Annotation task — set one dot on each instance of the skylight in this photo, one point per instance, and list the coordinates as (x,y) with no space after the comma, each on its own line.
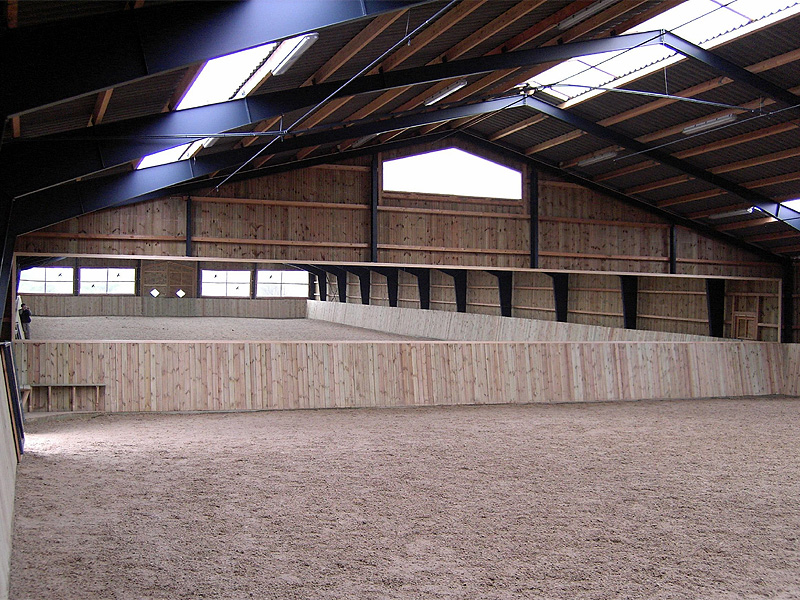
(792,204)
(231,77)
(454,172)
(707,23)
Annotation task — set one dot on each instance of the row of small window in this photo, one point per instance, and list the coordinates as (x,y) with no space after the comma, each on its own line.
(232,284)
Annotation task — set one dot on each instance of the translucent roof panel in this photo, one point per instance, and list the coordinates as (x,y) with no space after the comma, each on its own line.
(707,23)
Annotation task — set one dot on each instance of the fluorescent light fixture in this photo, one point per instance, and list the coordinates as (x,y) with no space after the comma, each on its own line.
(592,160)
(300,45)
(453,87)
(710,124)
(733,213)
(584,14)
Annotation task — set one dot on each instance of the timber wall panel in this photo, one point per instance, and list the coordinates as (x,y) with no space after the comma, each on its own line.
(791,357)
(455,326)
(483,296)
(8,475)
(246,376)
(595,300)
(408,291)
(533,296)
(157,227)
(581,229)
(139,306)
(673,304)
(699,255)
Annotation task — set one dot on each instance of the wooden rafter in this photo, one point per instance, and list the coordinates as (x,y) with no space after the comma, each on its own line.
(691,92)
(744,224)
(12,14)
(100,107)
(16,130)
(183,86)
(771,237)
(524,124)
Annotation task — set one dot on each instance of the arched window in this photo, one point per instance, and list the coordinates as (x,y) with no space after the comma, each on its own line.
(453,172)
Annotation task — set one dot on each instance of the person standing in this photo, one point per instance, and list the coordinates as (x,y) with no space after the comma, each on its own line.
(25,320)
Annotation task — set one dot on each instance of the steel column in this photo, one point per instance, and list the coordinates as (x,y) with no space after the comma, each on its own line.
(630,300)
(561,295)
(460,286)
(715,300)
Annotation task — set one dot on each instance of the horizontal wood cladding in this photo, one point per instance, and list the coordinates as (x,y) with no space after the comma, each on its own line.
(324,213)
(673,304)
(186,376)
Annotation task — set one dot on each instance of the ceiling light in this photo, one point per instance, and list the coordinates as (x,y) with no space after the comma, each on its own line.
(733,213)
(585,14)
(453,87)
(710,124)
(592,160)
(302,45)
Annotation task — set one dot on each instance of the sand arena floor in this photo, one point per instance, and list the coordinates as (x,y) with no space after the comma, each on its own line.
(680,499)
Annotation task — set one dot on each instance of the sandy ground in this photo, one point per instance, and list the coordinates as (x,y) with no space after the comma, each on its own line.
(200,328)
(681,499)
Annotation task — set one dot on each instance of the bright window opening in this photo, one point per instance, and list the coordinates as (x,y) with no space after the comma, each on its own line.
(225,284)
(292,284)
(46,280)
(792,204)
(452,172)
(231,77)
(706,23)
(107,281)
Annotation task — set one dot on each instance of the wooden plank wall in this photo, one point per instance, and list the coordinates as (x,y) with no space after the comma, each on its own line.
(674,304)
(190,376)
(791,357)
(8,474)
(455,326)
(146,306)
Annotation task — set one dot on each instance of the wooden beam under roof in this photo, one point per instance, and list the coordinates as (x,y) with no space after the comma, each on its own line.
(744,224)
(100,107)
(12,14)
(755,184)
(769,237)
(690,92)
(524,124)
(16,130)
(183,86)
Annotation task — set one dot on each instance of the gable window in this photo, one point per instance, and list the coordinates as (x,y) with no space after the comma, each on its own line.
(452,172)
(46,280)
(107,281)
(293,284)
(225,284)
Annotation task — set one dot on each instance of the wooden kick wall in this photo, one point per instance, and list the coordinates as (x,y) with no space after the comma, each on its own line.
(470,327)
(146,306)
(188,376)
(665,304)
(8,474)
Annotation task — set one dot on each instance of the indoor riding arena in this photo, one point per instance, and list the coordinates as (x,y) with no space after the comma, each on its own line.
(435,299)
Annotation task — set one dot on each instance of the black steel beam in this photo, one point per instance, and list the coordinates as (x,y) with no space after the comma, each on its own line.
(561,295)
(322,279)
(74,199)
(373,215)
(392,282)
(189,225)
(6,259)
(423,285)
(730,69)
(715,299)
(505,288)
(460,286)
(533,209)
(673,249)
(109,145)
(630,300)
(364,276)
(50,63)
(788,303)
